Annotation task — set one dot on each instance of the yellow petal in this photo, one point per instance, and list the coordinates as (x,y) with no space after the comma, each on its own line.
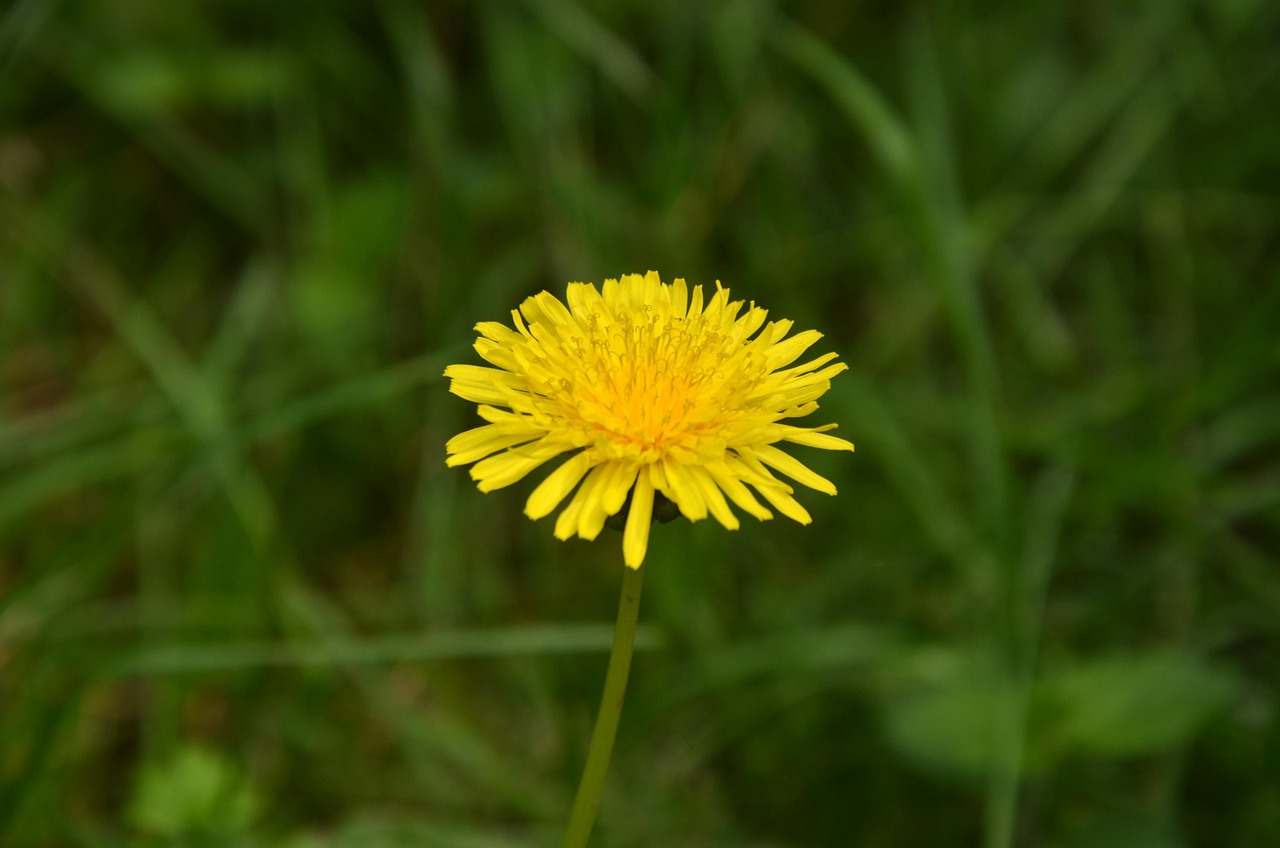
(679,297)
(503,469)
(610,292)
(477,443)
(682,489)
(546,309)
(784,353)
(500,355)
(559,483)
(695,305)
(805,368)
(648,292)
(714,309)
(737,492)
(614,490)
(567,520)
(498,332)
(478,384)
(793,468)
(750,470)
(606,499)
(585,301)
(635,539)
(814,439)
(749,323)
(494,415)
(784,503)
(713,497)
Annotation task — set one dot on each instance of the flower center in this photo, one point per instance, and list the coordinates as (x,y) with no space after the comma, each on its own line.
(645,385)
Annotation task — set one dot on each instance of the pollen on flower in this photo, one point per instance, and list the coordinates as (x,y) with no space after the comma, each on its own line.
(649,388)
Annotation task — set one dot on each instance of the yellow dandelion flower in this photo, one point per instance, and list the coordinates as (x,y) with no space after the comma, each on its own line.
(652,391)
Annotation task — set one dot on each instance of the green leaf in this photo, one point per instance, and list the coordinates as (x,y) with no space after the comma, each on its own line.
(196,791)
(1121,831)
(947,729)
(1127,705)
(1117,706)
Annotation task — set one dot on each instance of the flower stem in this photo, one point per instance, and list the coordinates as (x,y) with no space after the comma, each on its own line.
(587,802)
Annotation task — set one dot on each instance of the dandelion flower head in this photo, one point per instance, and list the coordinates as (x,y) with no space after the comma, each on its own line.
(649,388)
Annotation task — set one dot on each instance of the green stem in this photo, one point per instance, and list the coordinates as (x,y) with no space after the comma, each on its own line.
(587,802)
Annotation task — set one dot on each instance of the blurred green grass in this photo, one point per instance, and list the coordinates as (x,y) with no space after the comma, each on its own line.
(243,602)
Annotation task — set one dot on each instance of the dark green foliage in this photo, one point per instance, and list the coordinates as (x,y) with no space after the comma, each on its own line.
(243,602)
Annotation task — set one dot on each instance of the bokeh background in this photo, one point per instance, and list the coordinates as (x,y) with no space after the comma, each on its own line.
(244,603)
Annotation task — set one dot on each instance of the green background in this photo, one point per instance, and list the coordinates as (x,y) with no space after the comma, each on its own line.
(244,603)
